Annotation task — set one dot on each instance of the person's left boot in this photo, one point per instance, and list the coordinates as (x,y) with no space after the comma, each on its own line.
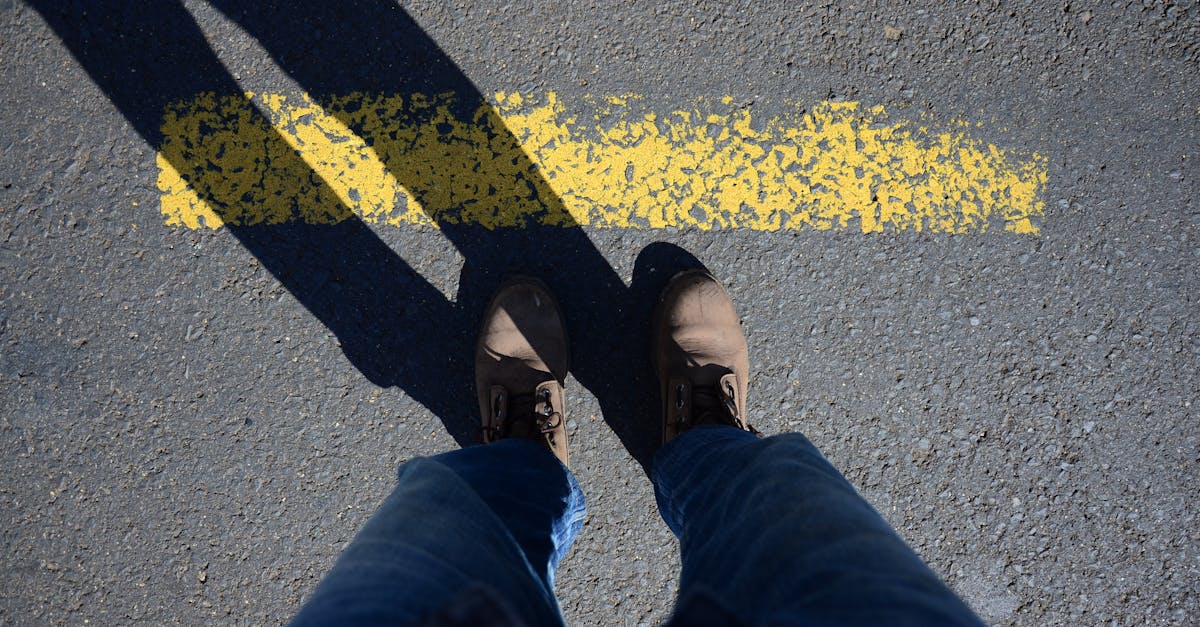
(521,366)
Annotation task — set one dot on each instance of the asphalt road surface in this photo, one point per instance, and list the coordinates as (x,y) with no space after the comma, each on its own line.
(196,420)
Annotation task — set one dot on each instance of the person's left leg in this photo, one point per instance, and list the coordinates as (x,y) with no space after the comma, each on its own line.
(474,536)
(467,535)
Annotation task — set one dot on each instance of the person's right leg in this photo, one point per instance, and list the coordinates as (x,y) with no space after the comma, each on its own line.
(770,532)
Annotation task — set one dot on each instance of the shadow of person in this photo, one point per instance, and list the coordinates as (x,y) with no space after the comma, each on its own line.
(393,325)
(148,55)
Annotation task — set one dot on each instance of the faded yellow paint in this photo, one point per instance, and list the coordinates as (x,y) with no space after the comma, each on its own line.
(612,162)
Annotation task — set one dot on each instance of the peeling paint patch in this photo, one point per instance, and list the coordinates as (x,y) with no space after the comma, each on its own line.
(606,162)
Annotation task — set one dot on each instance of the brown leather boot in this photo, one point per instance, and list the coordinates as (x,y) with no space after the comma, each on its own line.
(521,366)
(700,354)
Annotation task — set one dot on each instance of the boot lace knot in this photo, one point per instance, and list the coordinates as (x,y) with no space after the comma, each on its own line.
(523,415)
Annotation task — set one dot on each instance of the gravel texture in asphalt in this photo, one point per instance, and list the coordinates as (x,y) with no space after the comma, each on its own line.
(196,422)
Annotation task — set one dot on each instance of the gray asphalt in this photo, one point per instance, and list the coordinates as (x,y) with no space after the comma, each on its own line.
(187,441)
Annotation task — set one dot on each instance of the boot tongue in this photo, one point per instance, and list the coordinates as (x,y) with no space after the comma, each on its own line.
(524,419)
(710,407)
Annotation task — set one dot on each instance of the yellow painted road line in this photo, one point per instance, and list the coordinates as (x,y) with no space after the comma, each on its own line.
(613,162)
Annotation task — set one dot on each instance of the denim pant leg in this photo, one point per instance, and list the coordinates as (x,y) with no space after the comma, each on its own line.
(494,519)
(771,533)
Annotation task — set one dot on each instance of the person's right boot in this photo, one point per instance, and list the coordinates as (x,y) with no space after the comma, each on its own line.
(700,355)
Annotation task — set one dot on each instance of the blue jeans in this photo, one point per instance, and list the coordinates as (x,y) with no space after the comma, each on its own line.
(770,533)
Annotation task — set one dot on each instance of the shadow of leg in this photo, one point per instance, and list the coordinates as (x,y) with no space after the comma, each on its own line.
(390,54)
(148,55)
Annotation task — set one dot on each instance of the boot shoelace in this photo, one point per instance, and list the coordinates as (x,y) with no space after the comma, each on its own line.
(523,419)
(710,406)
